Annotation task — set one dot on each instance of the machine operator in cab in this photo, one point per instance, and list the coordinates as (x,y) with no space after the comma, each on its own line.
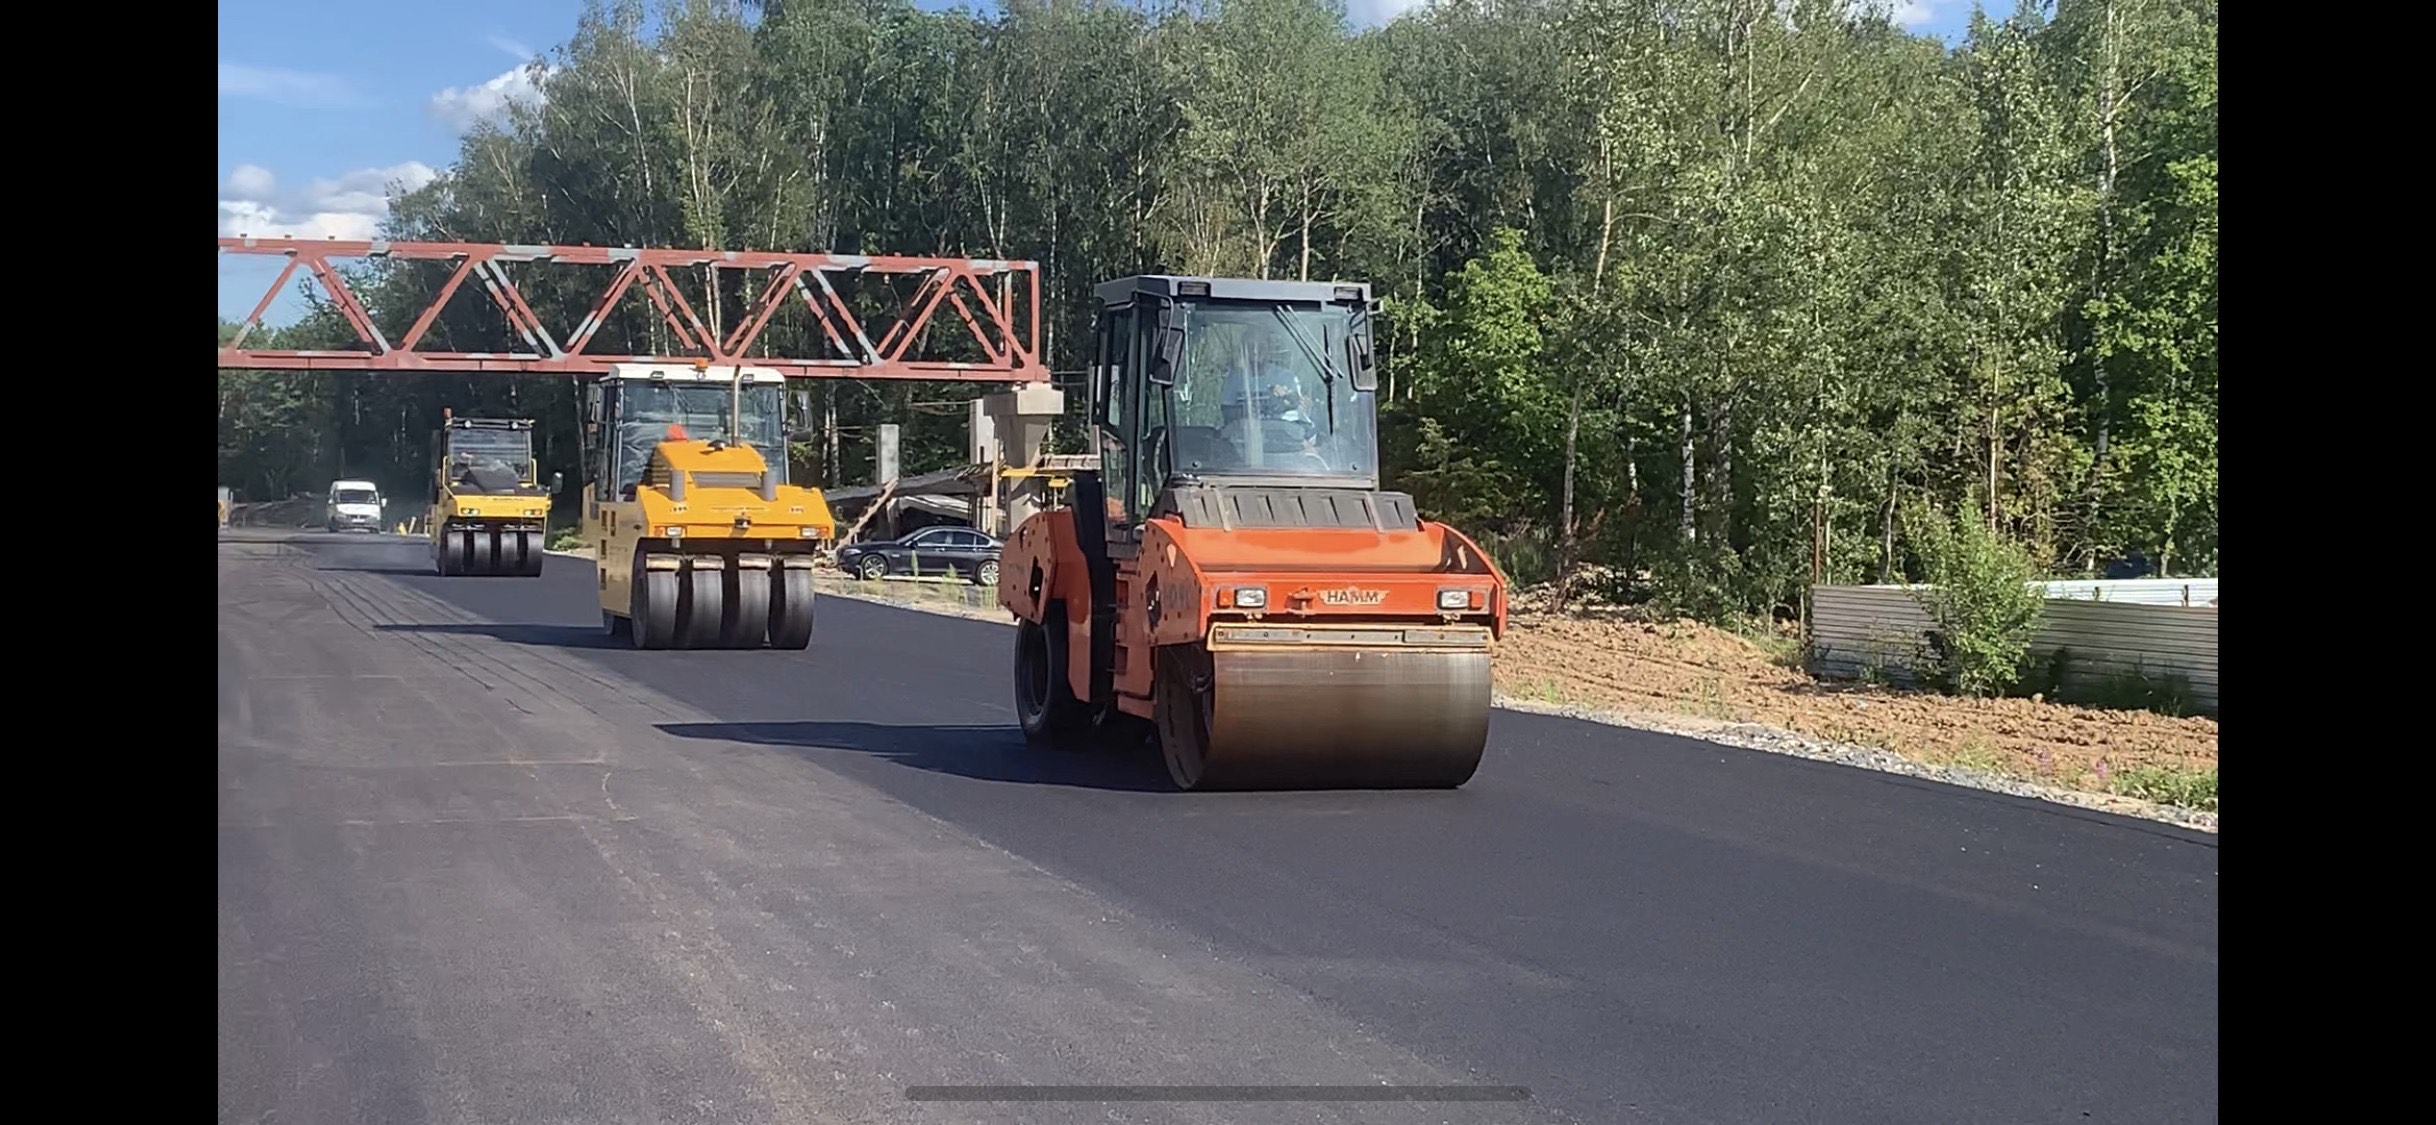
(1268,390)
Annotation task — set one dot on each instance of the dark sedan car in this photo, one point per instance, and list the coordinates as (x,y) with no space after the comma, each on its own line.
(960,551)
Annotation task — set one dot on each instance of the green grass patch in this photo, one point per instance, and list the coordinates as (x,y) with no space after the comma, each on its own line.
(1783,649)
(2163,693)
(1976,753)
(1711,703)
(2166,785)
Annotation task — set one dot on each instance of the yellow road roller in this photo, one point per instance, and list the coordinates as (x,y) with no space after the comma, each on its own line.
(489,509)
(701,540)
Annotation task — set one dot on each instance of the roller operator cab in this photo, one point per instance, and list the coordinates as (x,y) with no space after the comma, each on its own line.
(1232,576)
(701,540)
(489,509)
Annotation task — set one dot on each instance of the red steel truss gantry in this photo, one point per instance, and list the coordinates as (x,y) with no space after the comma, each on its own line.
(997,301)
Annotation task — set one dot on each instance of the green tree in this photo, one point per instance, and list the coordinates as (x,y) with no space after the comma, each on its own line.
(1980,597)
(1701,293)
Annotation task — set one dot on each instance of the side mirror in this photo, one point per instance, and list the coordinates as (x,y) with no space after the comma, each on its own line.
(1167,347)
(558,481)
(1365,360)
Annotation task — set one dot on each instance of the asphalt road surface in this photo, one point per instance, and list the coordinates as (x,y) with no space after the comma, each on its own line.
(478,864)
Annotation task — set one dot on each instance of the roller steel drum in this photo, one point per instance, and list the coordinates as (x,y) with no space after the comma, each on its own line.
(1322,718)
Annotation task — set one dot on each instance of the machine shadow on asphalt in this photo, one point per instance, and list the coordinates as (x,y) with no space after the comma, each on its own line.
(555,636)
(982,753)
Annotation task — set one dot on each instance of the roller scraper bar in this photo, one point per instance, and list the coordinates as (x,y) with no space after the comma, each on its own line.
(862,317)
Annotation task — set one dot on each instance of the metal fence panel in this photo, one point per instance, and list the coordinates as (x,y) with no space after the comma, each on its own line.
(1853,628)
(2137,591)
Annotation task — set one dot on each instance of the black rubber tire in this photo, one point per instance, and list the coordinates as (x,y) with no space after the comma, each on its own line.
(1045,705)
(700,606)
(529,554)
(791,608)
(1183,717)
(872,568)
(744,620)
(654,603)
(986,574)
(456,550)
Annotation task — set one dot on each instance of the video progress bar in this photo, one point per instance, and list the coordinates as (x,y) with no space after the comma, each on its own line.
(1217,1094)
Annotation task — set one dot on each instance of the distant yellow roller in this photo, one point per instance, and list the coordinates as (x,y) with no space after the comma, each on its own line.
(489,509)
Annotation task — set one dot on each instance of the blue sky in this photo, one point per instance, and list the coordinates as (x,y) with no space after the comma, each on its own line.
(325,103)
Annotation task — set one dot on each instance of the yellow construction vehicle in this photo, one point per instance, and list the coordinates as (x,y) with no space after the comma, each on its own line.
(701,541)
(488,506)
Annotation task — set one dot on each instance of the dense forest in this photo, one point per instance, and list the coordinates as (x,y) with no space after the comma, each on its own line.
(1710,298)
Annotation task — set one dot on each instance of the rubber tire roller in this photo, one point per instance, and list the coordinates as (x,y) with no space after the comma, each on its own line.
(488,552)
(707,604)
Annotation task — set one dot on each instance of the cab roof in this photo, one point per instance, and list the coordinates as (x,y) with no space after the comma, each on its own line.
(1170,286)
(688,373)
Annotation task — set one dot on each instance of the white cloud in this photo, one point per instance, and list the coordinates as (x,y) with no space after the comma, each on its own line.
(463,106)
(510,47)
(1914,14)
(285,87)
(348,207)
(252,181)
(1377,13)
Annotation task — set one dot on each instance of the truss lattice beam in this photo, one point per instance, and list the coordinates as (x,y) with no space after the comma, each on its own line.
(996,306)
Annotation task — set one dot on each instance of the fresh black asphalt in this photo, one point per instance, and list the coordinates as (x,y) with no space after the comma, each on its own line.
(480,863)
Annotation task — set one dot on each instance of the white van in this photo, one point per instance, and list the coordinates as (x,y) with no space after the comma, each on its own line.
(355,505)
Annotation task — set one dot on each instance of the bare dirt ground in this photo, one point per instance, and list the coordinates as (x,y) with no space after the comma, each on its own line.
(1615,659)
(1617,665)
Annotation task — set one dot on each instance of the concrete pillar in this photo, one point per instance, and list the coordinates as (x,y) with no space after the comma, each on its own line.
(981,434)
(1018,420)
(1020,417)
